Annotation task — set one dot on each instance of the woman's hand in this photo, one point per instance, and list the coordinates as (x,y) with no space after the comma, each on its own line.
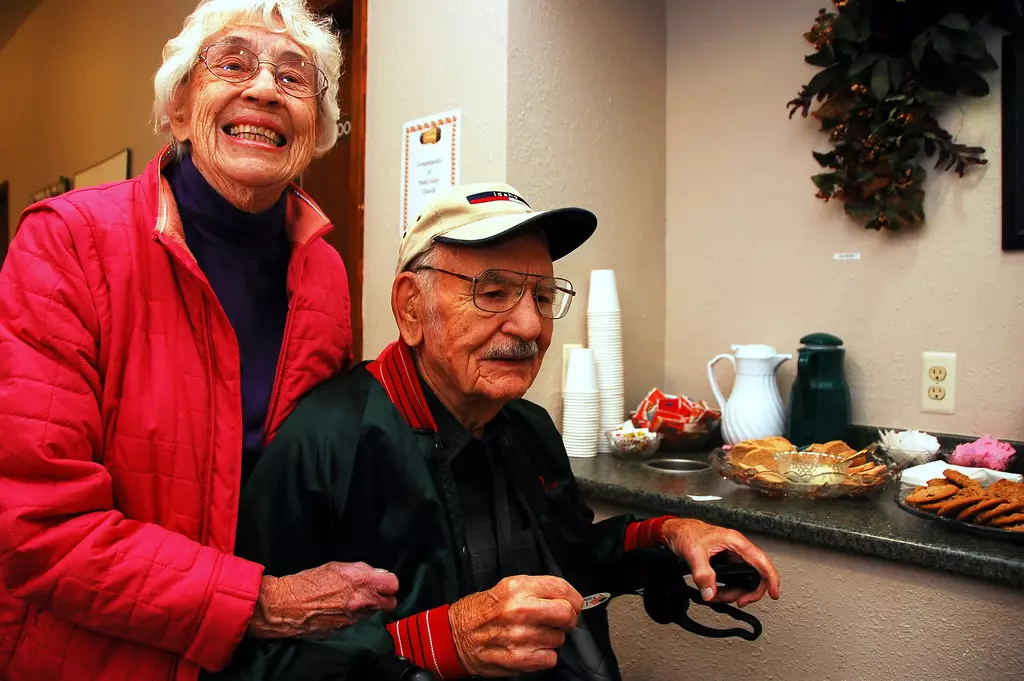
(320,600)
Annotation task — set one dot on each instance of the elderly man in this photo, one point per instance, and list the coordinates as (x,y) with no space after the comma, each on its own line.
(428,463)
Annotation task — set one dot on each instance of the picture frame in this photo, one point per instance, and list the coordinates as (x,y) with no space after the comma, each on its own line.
(111,169)
(1013,141)
(57,188)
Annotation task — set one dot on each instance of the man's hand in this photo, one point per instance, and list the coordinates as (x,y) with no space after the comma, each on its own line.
(320,600)
(514,627)
(695,542)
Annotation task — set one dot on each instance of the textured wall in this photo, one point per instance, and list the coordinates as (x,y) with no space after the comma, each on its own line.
(750,249)
(840,618)
(586,126)
(423,59)
(78,80)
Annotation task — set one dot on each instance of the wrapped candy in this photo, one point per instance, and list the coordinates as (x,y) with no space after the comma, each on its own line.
(661,412)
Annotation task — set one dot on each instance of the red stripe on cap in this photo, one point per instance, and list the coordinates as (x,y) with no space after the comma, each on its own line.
(488,199)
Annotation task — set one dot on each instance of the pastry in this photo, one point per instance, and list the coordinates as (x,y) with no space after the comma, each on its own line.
(923,495)
(1005,508)
(960,502)
(974,509)
(959,479)
(1012,519)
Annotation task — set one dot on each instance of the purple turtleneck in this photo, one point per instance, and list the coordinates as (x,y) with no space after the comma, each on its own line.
(245,258)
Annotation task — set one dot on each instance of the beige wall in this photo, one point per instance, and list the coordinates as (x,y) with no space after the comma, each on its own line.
(78,77)
(749,249)
(841,618)
(444,55)
(586,118)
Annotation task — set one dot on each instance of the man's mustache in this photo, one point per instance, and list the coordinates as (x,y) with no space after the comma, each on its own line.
(513,348)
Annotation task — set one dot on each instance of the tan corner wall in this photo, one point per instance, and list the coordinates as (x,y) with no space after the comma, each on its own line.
(586,122)
(78,80)
(424,58)
(841,617)
(749,248)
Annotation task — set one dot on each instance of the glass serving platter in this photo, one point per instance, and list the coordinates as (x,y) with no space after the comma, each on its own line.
(811,475)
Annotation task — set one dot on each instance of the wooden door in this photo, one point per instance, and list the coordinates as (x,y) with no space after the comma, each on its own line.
(5,233)
(336,180)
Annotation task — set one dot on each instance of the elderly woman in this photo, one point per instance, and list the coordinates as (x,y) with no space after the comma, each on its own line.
(155,334)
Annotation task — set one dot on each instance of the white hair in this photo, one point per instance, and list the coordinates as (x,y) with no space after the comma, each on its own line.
(292,17)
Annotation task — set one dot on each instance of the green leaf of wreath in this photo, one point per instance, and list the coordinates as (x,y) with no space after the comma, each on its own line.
(880,79)
(957,22)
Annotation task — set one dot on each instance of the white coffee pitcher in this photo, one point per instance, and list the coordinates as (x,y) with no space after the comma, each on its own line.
(754,409)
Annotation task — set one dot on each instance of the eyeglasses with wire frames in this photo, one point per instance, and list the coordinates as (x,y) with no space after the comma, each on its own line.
(497,290)
(235,64)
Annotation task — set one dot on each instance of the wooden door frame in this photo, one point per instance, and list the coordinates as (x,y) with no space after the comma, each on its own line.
(355,61)
(5,209)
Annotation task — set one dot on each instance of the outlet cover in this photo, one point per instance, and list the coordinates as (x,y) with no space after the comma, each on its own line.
(938,382)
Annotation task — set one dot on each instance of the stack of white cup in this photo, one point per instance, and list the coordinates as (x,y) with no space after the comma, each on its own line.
(604,337)
(580,413)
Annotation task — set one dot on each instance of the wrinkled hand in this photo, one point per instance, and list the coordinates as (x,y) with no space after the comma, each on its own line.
(695,542)
(320,600)
(514,627)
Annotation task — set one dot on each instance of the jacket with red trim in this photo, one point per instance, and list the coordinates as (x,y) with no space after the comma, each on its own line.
(121,434)
(353,476)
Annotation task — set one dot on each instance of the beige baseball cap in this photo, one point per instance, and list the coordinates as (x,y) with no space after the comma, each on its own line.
(487,212)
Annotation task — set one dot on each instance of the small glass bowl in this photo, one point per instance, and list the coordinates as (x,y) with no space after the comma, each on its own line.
(633,446)
(906,458)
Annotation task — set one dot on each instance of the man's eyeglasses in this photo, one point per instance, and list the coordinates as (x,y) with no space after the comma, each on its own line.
(497,290)
(234,64)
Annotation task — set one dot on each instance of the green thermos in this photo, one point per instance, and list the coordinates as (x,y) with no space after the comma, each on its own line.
(819,406)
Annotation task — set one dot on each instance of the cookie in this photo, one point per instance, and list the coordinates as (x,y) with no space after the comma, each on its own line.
(923,495)
(932,505)
(1005,508)
(1012,519)
(1015,528)
(959,503)
(974,509)
(836,447)
(959,479)
(1013,491)
(935,482)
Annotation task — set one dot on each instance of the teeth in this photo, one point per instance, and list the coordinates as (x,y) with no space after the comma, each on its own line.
(256,134)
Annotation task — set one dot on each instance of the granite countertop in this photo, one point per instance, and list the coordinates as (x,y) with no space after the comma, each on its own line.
(874,527)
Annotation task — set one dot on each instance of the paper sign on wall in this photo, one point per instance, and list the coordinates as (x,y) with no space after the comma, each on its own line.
(430,160)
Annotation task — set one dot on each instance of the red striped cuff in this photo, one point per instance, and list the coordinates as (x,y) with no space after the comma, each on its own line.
(645,533)
(426,640)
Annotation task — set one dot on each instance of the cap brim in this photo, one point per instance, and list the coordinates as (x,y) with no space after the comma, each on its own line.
(566,229)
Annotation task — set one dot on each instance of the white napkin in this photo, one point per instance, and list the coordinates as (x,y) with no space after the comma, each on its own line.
(920,475)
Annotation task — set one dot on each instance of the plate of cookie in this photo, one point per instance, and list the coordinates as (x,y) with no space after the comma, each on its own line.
(776,467)
(959,502)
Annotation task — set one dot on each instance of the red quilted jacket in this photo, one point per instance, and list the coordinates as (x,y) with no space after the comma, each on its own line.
(121,434)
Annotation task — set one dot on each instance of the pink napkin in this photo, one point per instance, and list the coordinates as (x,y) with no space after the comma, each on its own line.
(985,452)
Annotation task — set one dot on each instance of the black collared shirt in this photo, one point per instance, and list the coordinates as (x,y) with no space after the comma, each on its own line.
(491,526)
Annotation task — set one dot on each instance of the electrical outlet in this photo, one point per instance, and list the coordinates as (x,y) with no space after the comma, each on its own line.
(938,382)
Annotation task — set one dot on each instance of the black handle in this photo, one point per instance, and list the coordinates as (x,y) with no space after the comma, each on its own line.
(667,596)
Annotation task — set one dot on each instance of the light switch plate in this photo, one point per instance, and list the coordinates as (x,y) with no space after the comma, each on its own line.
(938,382)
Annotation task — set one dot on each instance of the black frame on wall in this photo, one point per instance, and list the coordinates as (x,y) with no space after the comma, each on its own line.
(1013,141)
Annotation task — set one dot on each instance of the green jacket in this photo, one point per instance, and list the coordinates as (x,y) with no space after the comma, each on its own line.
(352,476)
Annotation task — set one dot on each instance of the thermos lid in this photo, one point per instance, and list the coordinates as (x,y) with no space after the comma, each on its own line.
(826,339)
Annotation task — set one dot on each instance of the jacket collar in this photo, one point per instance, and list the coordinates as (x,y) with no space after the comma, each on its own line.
(303,218)
(395,370)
